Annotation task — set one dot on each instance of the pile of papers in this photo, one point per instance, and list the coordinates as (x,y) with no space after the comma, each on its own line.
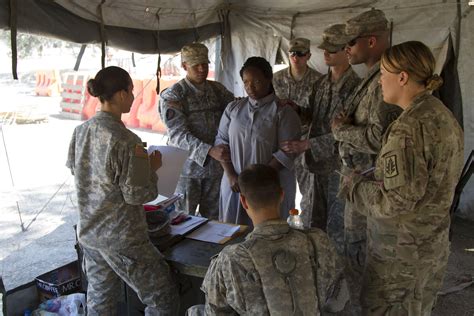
(215,232)
(162,202)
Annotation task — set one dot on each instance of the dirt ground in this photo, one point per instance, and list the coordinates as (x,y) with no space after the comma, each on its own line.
(460,270)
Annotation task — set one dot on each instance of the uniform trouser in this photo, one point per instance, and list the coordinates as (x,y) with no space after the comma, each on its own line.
(355,250)
(142,267)
(321,206)
(305,185)
(203,192)
(335,221)
(402,289)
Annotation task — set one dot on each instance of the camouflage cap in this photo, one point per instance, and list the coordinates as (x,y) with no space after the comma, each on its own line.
(366,23)
(194,54)
(299,45)
(334,38)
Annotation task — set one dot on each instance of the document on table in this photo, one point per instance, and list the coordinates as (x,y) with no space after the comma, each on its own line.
(215,232)
(173,159)
(188,225)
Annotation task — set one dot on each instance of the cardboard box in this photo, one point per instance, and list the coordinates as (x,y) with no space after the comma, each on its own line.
(61,281)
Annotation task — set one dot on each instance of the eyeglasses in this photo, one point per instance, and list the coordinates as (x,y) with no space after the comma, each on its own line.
(352,42)
(298,54)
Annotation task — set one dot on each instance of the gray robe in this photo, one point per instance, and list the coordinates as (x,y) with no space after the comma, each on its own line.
(254,129)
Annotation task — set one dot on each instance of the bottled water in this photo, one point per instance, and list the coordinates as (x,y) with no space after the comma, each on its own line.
(294,220)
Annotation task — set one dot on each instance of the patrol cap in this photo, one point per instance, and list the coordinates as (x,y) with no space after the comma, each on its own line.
(299,45)
(334,38)
(366,23)
(194,54)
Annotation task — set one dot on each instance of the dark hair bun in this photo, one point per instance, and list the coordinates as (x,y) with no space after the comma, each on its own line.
(434,82)
(94,88)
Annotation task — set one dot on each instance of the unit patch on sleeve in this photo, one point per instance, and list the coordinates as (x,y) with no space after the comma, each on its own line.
(391,167)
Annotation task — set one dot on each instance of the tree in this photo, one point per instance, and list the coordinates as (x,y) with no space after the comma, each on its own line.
(31,45)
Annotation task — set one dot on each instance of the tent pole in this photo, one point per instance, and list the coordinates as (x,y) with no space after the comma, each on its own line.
(79,57)
(102,34)
(13,33)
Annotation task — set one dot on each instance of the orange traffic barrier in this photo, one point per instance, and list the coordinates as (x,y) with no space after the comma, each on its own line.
(130,119)
(148,112)
(48,83)
(158,125)
(91,105)
(73,96)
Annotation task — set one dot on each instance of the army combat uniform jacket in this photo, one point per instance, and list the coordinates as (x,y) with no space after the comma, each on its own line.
(303,273)
(360,141)
(298,91)
(113,180)
(192,118)
(407,205)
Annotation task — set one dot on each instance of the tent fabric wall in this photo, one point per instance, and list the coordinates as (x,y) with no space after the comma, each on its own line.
(253,33)
(139,14)
(43,17)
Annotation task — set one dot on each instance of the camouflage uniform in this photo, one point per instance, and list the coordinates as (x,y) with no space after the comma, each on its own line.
(192,117)
(299,92)
(360,142)
(265,275)
(407,208)
(322,159)
(113,180)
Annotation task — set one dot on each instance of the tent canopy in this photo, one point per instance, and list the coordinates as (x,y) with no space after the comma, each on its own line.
(262,28)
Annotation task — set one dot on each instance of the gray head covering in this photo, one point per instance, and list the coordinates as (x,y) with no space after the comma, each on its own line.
(334,38)
(367,23)
(299,45)
(195,54)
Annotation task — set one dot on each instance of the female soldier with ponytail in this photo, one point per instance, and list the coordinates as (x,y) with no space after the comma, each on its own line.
(407,200)
(114,176)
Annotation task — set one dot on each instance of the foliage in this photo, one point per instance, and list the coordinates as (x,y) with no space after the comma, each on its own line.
(34,45)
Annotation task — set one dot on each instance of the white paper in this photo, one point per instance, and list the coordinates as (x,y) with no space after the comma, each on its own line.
(214,232)
(184,227)
(160,198)
(172,163)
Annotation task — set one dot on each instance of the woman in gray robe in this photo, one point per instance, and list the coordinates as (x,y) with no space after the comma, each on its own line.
(253,128)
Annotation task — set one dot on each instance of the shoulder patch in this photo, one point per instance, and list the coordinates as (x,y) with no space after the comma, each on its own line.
(390,166)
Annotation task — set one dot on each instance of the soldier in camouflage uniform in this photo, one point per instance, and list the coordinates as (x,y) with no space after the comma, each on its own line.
(295,84)
(114,177)
(319,148)
(191,110)
(407,201)
(359,129)
(277,270)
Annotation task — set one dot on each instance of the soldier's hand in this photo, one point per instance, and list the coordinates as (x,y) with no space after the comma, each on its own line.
(155,160)
(340,119)
(295,146)
(234,183)
(220,153)
(287,102)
